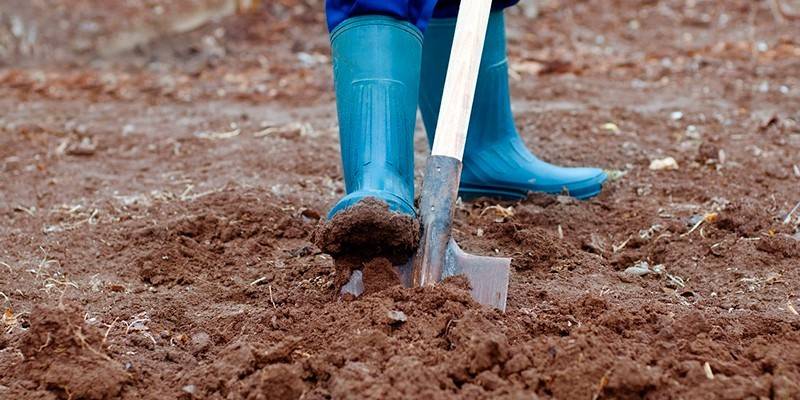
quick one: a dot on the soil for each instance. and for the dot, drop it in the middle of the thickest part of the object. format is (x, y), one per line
(157, 209)
(368, 230)
(370, 238)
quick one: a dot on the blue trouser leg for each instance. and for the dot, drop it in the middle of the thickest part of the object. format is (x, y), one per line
(417, 12)
(449, 8)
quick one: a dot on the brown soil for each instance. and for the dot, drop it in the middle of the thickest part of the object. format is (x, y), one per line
(157, 210)
(370, 238)
(66, 356)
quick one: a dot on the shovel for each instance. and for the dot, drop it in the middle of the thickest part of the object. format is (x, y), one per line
(438, 255)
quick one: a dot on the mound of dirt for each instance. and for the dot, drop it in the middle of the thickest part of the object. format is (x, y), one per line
(398, 343)
(367, 230)
(222, 229)
(539, 250)
(66, 357)
(744, 218)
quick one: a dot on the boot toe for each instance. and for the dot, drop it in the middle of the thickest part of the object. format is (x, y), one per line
(581, 183)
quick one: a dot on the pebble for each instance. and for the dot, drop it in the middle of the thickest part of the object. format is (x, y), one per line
(641, 268)
(201, 341)
(610, 126)
(692, 132)
(311, 214)
(694, 219)
(396, 316)
(667, 163)
(83, 148)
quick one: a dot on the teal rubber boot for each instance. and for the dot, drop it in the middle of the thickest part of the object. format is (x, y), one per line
(376, 67)
(496, 161)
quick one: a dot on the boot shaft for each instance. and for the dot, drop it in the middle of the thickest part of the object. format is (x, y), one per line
(376, 66)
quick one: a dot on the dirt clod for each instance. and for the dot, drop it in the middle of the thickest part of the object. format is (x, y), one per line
(65, 356)
(369, 229)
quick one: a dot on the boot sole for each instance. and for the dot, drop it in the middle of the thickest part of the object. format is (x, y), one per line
(471, 192)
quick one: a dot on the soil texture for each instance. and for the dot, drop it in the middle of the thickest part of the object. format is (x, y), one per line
(368, 230)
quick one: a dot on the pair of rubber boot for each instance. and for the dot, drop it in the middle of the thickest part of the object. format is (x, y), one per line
(383, 69)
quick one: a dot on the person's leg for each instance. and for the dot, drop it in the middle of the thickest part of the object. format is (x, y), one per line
(377, 53)
(496, 160)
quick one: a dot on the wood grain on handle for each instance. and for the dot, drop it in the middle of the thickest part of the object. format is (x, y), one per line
(462, 77)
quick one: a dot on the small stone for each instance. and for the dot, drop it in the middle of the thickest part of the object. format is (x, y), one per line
(641, 268)
(612, 127)
(83, 148)
(201, 341)
(694, 220)
(191, 389)
(311, 214)
(667, 163)
(396, 317)
(692, 132)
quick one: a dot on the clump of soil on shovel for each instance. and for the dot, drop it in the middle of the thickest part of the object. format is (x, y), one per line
(371, 238)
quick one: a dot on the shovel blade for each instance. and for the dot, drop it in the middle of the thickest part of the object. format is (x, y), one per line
(488, 276)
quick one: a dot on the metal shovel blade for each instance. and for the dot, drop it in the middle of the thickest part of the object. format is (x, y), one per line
(488, 276)
(438, 256)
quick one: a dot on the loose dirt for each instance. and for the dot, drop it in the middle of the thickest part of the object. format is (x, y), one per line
(67, 357)
(370, 238)
(157, 212)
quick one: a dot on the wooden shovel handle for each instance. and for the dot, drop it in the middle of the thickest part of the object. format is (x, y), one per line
(462, 77)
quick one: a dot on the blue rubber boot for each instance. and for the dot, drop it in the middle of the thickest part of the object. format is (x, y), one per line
(376, 67)
(496, 160)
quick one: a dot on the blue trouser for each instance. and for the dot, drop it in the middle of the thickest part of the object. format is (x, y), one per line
(417, 12)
